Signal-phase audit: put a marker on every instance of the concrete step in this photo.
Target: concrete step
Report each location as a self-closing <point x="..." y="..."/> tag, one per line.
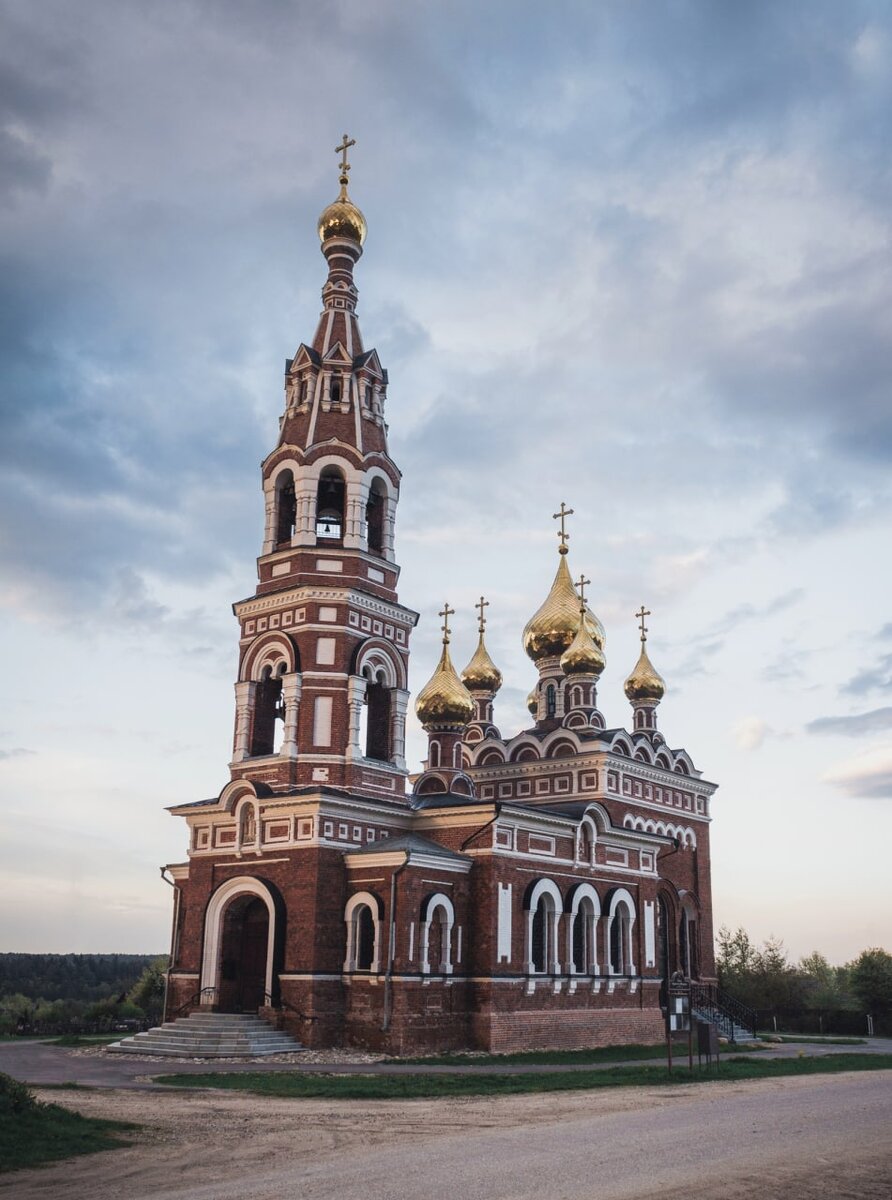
<point x="210" y="1035"/>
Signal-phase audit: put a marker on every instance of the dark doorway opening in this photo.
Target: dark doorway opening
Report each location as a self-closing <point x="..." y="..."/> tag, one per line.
<point x="244" y="955"/>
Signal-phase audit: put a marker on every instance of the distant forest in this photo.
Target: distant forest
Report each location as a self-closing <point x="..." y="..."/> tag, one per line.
<point x="83" y="977"/>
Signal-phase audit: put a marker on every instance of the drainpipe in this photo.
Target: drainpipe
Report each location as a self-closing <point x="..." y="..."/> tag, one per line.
<point x="173" y="936"/>
<point x="391" y="946"/>
<point x="477" y="832"/>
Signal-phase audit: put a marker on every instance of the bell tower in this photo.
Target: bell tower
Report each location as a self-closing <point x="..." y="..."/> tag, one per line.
<point x="322" y="693"/>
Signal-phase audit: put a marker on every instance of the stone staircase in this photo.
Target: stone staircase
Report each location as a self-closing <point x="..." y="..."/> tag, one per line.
<point x="210" y="1035"/>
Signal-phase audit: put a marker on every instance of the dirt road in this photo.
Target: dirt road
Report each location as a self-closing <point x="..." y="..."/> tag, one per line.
<point x="785" y="1139"/>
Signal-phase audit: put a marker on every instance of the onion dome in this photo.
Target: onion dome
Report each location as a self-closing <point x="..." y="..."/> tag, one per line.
<point x="481" y="674"/>
<point x="645" y="682"/>
<point x="552" y="629"/>
<point x="342" y="219"/>
<point x="533" y="702"/>
<point x="444" y="699"/>
<point x="583" y="656"/>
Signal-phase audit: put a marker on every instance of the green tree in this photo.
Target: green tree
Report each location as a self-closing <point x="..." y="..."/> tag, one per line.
<point x="825" y="988"/>
<point x="148" y="991"/>
<point x="871" y="975"/>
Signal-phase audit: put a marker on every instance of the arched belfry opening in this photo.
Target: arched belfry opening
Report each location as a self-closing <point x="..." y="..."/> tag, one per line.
<point x="269" y="708"/>
<point x="330" y="496"/>
<point x="286" y="508"/>
<point x="244" y="947"/>
<point x="375" y="510"/>
<point x="375" y="738"/>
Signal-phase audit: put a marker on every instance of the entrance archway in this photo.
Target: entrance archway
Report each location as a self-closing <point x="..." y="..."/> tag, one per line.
<point x="243" y="950"/>
<point x="240" y="937"/>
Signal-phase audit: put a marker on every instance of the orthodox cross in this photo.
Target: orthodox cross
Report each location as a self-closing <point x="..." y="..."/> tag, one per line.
<point x="480" y="605"/>
<point x="445" y="613"/>
<point x="582" y="583"/>
<point x="562" y="516"/>
<point x="342" y="150"/>
<point x="641" y="614"/>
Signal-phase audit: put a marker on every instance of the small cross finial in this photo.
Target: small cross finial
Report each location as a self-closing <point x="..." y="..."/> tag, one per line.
<point x="582" y="583"/>
<point x="342" y="150"/>
<point x="446" y="612"/>
<point x="641" y="614"/>
<point x="562" y="533"/>
<point x="480" y="605"/>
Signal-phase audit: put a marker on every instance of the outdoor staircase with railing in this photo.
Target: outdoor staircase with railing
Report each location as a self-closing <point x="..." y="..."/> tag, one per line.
<point x="210" y="1035"/>
<point x="734" y="1020"/>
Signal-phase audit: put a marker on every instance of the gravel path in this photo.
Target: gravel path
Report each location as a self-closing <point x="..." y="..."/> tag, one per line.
<point x="785" y="1139"/>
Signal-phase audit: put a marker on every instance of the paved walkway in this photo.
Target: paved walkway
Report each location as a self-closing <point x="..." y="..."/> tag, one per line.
<point x="41" y="1063"/>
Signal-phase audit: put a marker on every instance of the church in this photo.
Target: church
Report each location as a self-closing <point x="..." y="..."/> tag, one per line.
<point x="535" y="889"/>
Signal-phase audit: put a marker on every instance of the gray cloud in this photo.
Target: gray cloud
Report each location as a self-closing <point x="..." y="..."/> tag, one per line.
<point x="856" y="725"/>
<point x="877" y="678"/>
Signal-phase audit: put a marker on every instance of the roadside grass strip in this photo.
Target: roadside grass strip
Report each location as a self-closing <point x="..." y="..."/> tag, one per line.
<point x="814" y="1039"/>
<point x="32" y="1132"/>
<point x="560" y="1058"/>
<point x="419" y="1087"/>
<point x="86" y="1039"/>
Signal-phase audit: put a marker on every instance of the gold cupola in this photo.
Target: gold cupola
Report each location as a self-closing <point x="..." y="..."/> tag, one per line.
<point x="533" y="702"/>
<point x="342" y="219"/>
<point x="481" y="674"/>
<point x="444" y="699"/>
<point x="583" y="656"/>
<point x="645" y="683"/>
<point x="552" y="629"/>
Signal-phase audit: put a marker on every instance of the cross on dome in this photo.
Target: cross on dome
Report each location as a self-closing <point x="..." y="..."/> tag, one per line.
<point x="342" y="150"/>
<point x="562" y="533"/>
<point x="480" y="605"/>
<point x="641" y="614"/>
<point x="582" y="583"/>
<point x="446" y="612"/>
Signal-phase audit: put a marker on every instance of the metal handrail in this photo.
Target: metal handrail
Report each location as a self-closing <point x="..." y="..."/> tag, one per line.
<point x="722" y="1008"/>
<point x="195" y="998"/>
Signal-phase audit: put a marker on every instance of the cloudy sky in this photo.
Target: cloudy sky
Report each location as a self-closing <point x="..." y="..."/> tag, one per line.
<point x="634" y="256"/>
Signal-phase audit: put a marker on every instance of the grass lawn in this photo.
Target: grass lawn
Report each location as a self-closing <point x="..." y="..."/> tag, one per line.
<point x="87" y="1039"/>
<point x="561" y="1058"/>
<point x="815" y="1039"/>
<point x="32" y="1132"/>
<point x="411" y="1087"/>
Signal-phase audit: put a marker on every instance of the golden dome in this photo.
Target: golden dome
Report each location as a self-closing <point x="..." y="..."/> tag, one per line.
<point x="645" y="683"/>
<point x="481" y="674"/>
<point x="342" y="219"/>
<point x="444" y="699"/>
<point x="551" y="630"/>
<point x="583" y="656"/>
<point x="533" y="702"/>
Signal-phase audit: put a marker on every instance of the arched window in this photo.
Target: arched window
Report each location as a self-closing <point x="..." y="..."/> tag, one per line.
<point x="363" y="918"/>
<point x="268" y="708"/>
<point x="543" y="915"/>
<point x="437" y="921"/>
<point x="335" y="390"/>
<point x="663" y="952"/>
<point x="374" y="517"/>
<point x="583" y="938"/>
<point x="550" y="701"/>
<point x="286" y="507"/>
<point x="621" y="920"/>
<point x="365" y="938"/>
<point x="688" y="944"/>
<point x="586" y="843"/>
<point x="330" y="505"/>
